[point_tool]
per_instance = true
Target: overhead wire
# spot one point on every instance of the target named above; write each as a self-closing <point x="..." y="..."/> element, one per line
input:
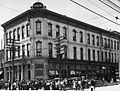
<point x="101" y="8"/>
<point x="94" y="12"/>
<point x="10" y="8"/>
<point x="109" y="5"/>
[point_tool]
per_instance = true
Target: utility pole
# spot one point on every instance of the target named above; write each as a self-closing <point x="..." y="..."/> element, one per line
<point x="59" y="51"/>
<point x="11" y="44"/>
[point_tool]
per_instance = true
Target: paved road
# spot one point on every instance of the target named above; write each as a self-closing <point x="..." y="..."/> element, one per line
<point x="107" y="88"/>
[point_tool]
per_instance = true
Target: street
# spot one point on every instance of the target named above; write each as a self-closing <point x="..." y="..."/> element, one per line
<point x="106" y="88"/>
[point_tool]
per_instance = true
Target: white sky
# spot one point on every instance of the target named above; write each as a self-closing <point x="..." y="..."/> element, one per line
<point x="12" y="8"/>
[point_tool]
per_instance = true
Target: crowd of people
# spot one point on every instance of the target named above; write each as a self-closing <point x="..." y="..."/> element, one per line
<point x="54" y="84"/>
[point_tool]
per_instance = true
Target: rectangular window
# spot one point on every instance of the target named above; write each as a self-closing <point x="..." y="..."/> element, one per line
<point x="115" y="45"/>
<point x="89" y="55"/>
<point x="10" y="36"/>
<point x="105" y="43"/>
<point x="108" y="43"/>
<point x="38" y="27"/>
<point x="28" y="30"/>
<point x="23" y="30"/>
<point x="102" y="42"/>
<point x="74" y="35"/>
<point x="74" y="53"/>
<point x="49" y="29"/>
<point x="10" y="53"/>
<point x="98" y="55"/>
<point x="57" y="31"/>
<point x="18" y="51"/>
<point x="23" y="51"/>
<point x="18" y="34"/>
<point x="50" y="50"/>
<point x="81" y="53"/>
<point x="65" y="51"/>
<point x="14" y="35"/>
<point x="28" y="50"/>
<point x="6" y="38"/>
<point x="98" y="41"/>
<point x="93" y="39"/>
<point x="93" y="55"/>
<point x="115" y="57"/>
<point x="111" y="44"/>
<point x="88" y="38"/>
<point x="65" y="32"/>
<point x="39" y="48"/>
<point x="102" y="56"/>
<point x="81" y="37"/>
<point x="106" y="57"/>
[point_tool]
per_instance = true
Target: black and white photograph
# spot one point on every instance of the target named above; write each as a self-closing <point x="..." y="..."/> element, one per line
<point x="60" y="45"/>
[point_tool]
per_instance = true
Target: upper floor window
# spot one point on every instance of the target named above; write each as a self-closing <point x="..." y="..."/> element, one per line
<point x="74" y="52"/>
<point x="18" y="51"/>
<point x="115" y="45"/>
<point x="102" y="42"/>
<point x="57" y="31"/>
<point x="108" y="43"/>
<point x="18" y="34"/>
<point x="81" y="37"/>
<point x="6" y="38"/>
<point x="89" y="54"/>
<point x="39" y="48"/>
<point x="98" y="41"/>
<point x="14" y="35"/>
<point x="102" y="56"/>
<point x="23" y="51"/>
<point x="106" y="57"/>
<point x="81" y="53"/>
<point x="115" y="57"/>
<point x="38" y="27"/>
<point x="23" y="32"/>
<point x="88" y="38"/>
<point x="10" y="35"/>
<point x="93" y="55"/>
<point x="111" y="44"/>
<point x="50" y="47"/>
<point x="65" y="32"/>
<point x="93" y="39"/>
<point x="98" y="55"/>
<point x="105" y="41"/>
<point x="28" y="29"/>
<point x="49" y="29"/>
<point x="28" y="50"/>
<point x="74" y="35"/>
<point x="65" y="51"/>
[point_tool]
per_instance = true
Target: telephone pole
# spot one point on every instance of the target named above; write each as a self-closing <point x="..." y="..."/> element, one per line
<point x="11" y="45"/>
<point x="59" y="51"/>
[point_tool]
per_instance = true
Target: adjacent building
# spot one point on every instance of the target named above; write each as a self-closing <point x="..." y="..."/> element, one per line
<point x="88" y="50"/>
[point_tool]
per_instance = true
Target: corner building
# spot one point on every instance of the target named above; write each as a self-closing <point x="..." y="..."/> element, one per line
<point x="89" y="50"/>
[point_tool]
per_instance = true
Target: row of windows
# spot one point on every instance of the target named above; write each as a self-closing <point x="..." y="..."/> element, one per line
<point x="95" y="40"/>
<point x="16" y="33"/>
<point x="109" y="43"/>
<point x="95" y="55"/>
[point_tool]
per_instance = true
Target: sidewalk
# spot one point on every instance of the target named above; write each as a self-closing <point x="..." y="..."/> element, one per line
<point x="106" y="88"/>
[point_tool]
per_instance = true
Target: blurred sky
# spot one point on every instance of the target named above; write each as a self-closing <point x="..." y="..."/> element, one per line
<point x="12" y="8"/>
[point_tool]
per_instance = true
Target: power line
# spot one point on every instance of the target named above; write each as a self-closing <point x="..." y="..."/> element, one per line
<point x="94" y="12"/>
<point x="10" y="8"/>
<point x="101" y="8"/>
<point x="110" y="6"/>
